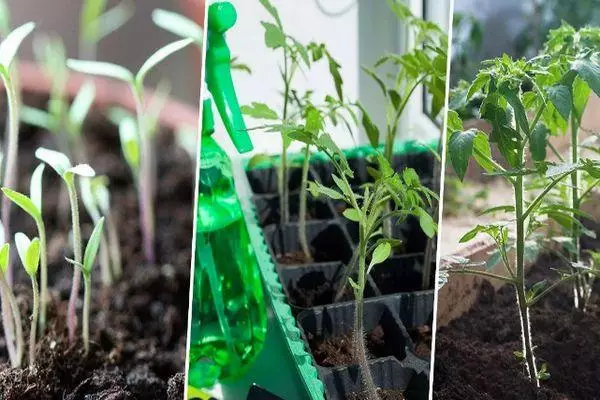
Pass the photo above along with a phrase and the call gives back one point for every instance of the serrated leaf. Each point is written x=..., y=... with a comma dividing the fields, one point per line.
x=82, y=103
x=159, y=56
x=426, y=222
x=10, y=45
x=460, y=149
x=316, y=189
x=23, y=202
x=351, y=214
x=334, y=71
x=177, y=24
x=98, y=68
x=560, y=169
x=381, y=253
x=560, y=96
x=371, y=130
x=482, y=152
x=538, y=142
x=58, y=161
x=274, y=37
x=4, y=257
x=91, y=249
x=271, y=10
x=589, y=71
x=259, y=111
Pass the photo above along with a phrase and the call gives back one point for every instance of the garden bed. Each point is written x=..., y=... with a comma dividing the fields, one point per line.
x=396, y=303
x=137, y=326
x=488, y=334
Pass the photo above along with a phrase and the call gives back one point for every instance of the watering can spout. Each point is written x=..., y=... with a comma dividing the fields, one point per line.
x=221, y=17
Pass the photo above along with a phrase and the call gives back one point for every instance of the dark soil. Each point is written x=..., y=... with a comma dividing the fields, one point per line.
x=474, y=355
x=315, y=292
x=138, y=326
x=384, y=394
x=339, y=350
x=421, y=337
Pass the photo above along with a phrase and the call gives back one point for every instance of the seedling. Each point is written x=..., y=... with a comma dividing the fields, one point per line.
x=515, y=116
x=146, y=169
x=13, y=336
x=89, y=258
x=369, y=210
x=96, y=23
x=99, y=189
x=62, y=165
x=29, y=252
x=32, y=205
x=8, y=50
x=424, y=64
x=573, y=62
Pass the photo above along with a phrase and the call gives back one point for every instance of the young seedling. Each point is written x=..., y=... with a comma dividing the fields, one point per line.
x=62, y=165
x=29, y=253
x=14, y=336
x=32, y=205
x=8, y=50
x=573, y=63
x=90, y=203
x=369, y=210
x=514, y=115
x=96, y=23
x=89, y=258
x=146, y=170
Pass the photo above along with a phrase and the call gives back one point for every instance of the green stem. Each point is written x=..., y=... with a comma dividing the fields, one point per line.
x=34, y=321
x=520, y=282
x=543, y=194
x=14, y=316
x=485, y=274
x=71, y=308
x=44, y=298
x=575, y=206
x=87, y=296
x=302, y=207
x=145, y=181
x=10, y=169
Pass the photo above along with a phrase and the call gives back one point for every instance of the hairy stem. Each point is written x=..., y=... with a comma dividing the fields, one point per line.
x=579, y=287
x=71, y=309
x=520, y=282
x=44, y=298
x=359, y=344
x=302, y=211
x=87, y=296
x=34, y=321
x=114, y=247
x=145, y=182
x=10, y=168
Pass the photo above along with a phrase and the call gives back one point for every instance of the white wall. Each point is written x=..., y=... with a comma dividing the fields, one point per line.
x=303, y=20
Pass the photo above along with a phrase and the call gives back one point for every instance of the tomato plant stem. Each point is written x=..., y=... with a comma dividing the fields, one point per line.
x=578, y=285
x=85, y=331
x=34, y=321
x=14, y=330
x=43, y=273
x=302, y=206
x=71, y=314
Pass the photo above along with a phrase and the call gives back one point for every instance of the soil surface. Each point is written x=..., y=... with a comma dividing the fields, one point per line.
x=421, y=337
x=474, y=355
x=384, y=394
x=339, y=350
x=137, y=326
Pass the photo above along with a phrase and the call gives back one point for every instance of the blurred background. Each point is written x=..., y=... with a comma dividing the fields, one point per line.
x=356, y=32
x=128, y=46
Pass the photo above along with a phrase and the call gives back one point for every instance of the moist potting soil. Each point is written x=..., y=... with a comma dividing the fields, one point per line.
x=138, y=325
x=475, y=359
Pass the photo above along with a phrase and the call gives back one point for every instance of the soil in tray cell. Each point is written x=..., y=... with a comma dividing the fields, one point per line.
x=384, y=394
x=421, y=337
x=138, y=325
x=474, y=354
x=314, y=289
x=267, y=208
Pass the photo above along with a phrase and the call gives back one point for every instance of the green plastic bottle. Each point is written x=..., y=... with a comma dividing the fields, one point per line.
x=229, y=320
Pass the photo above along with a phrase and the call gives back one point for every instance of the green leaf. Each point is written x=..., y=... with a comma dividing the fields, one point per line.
x=99, y=186
x=130, y=143
x=114, y=18
x=480, y=81
x=58, y=161
x=4, y=257
x=177, y=24
x=381, y=253
x=98, y=68
x=36, y=117
x=369, y=126
x=90, y=12
x=81, y=104
x=89, y=201
x=560, y=96
x=23, y=202
x=83, y=170
x=352, y=214
x=259, y=111
x=4, y=19
x=377, y=79
x=589, y=71
x=29, y=252
x=460, y=149
x=454, y=122
x=316, y=189
x=512, y=96
x=274, y=37
x=426, y=222
x=10, y=45
x=538, y=142
x=482, y=152
x=271, y=10
x=91, y=249
x=159, y=56
x=334, y=70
